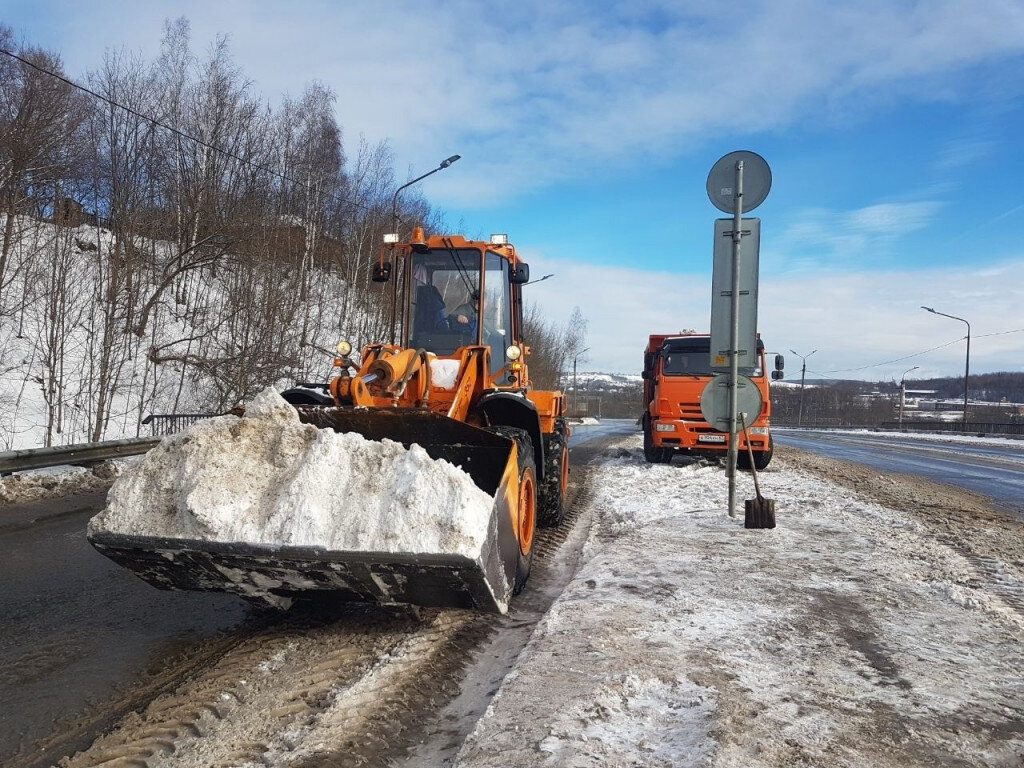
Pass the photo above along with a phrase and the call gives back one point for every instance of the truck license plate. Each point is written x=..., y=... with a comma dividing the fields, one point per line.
x=710, y=438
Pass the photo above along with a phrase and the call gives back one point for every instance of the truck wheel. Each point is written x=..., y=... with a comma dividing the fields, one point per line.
x=527, y=502
x=761, y=458
x=651, y=454
x=555, y=485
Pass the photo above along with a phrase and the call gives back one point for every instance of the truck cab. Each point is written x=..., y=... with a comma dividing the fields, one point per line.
x=676, y=370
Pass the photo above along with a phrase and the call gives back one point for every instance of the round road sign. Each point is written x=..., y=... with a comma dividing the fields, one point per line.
x=757, y=180
x=714, y=401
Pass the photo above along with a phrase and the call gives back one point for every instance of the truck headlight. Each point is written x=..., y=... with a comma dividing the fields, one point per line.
x=758, y=430
x=344, y=348
x=665, y=427
x=513, y=352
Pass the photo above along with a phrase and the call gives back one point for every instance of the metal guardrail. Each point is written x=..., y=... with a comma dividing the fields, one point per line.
x=169, y=423
x=971, y=428
x=79, y=455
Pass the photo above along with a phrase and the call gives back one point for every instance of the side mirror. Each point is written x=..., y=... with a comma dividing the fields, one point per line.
x=520, y=274
x=381, y=272
x=780, y=363
x=645, y=375
x=776, y=375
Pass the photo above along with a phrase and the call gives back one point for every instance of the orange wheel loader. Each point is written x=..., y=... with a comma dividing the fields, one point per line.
x=453, y=379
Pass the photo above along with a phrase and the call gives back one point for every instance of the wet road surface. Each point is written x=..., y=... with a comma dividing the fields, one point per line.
x=76, y=628
x=994, y=470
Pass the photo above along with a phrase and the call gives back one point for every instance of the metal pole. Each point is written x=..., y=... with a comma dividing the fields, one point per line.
x=575, y=396
x=803, y=374
x=903, y=392
x=394, y=200
x=967, y=372
x=967, y=362
x=734, y=334
x=575, y=392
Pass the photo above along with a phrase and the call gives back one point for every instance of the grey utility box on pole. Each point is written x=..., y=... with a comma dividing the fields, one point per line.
x=721, y=297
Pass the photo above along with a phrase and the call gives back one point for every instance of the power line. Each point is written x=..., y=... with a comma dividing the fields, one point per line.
x=167, y=127
x=918, y=354
x=897, y=360
x=999, y=333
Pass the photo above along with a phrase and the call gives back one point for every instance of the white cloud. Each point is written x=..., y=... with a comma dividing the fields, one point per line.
x=539, y=90
x=819, y=237
x=854, y=320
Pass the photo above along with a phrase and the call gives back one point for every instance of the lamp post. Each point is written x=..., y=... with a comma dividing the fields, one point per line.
x=903, y=391
x=394, y=221
x=967, y=362
x=394, y=200
x=575, y=392
x=803, y=374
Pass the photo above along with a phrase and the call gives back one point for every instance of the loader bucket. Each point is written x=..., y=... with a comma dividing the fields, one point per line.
x=279, y=574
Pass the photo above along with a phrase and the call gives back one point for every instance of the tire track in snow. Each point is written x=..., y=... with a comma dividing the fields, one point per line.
x=359, y=687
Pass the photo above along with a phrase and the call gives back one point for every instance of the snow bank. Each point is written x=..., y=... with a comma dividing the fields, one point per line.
x=268, y=479
x=850, y=635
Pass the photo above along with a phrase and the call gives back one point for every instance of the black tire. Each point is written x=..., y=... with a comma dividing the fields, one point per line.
x=651, y=454
x=761, y=458
x=554, y=486
x=527, y=467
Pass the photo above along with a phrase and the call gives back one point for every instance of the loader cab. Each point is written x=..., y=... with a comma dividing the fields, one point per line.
x=459, y=296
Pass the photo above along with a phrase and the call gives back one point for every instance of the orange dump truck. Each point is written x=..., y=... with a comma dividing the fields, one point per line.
x=677, y=367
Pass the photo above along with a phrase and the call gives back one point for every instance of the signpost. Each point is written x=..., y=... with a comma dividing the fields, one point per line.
x=746, y=297
x=727, y=193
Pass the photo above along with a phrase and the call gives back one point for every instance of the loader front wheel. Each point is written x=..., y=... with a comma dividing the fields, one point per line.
x=527, y=519
x=555, y=485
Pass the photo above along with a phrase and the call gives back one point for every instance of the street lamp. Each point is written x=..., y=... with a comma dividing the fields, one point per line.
x=394, y=201
x=967, y=363
x=803, y=373
x=903, y=391
x=575, y=392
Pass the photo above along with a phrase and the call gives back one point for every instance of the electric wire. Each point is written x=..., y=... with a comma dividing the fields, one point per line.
x=917, y=354
x=167, y=127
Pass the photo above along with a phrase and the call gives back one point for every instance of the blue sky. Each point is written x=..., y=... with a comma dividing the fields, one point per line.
x=587, y=130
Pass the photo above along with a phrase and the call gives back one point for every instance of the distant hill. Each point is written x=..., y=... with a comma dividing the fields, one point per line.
x=1007, y=386
x=612, y=395
x=620, y=395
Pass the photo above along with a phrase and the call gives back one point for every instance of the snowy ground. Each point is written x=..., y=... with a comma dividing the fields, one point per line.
x=853, y=634
x=1013, y=441
x=880, y=624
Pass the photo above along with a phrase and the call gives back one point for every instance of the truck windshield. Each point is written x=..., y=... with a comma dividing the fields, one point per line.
x=683, y=363
x=693, y=362
x=444, y=299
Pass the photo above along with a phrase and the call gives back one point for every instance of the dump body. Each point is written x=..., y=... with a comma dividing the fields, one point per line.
x=453, y=381
x=676, y=370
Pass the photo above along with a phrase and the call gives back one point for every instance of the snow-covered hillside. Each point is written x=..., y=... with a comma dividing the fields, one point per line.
x=92, y=343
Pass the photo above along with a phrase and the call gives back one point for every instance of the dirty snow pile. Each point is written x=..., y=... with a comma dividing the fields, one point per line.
x=850, y=635
x=265, y=478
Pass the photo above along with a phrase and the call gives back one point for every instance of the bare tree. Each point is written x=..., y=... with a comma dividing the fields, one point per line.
x=40, y=121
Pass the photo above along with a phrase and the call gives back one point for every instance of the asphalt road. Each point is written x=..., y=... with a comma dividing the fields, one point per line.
x=75, y=627
x=582, y=433
x=994, y=470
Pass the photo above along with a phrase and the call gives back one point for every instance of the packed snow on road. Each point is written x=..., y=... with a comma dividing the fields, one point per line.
x=850, y=635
